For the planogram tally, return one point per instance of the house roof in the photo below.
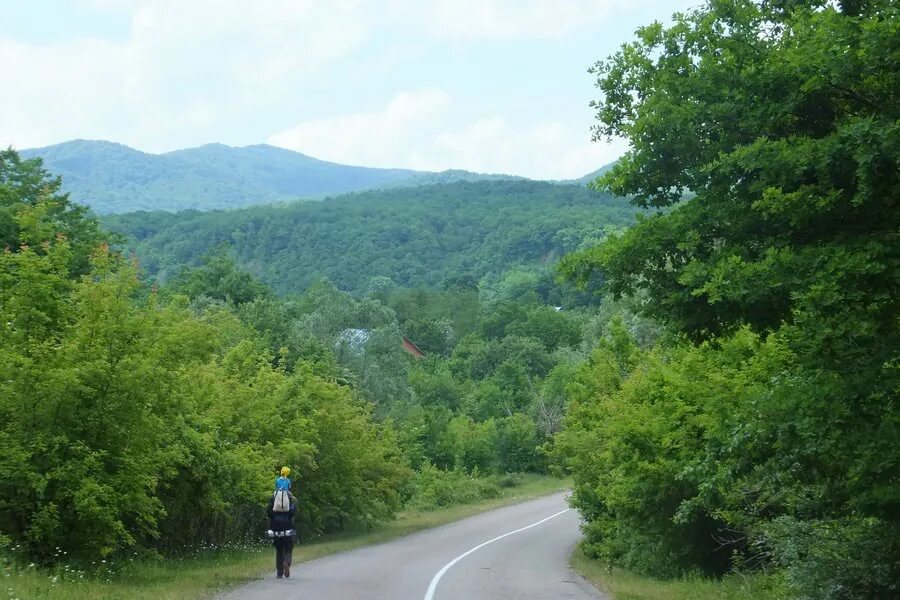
(412, 348)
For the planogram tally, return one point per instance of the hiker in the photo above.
(281, 510)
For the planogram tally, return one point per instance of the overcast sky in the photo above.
(496, 86)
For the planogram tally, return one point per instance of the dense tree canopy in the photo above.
(767, 135)
(782, 124)
(431, 236)
(33, 211)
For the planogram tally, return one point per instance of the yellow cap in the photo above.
(285, 471)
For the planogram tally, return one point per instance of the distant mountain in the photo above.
(586, 179)
(113, 178)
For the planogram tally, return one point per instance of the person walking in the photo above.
(281, 530)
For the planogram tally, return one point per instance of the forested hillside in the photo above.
(423, 236)
(113, 178)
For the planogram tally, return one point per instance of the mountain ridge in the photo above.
(113, 178)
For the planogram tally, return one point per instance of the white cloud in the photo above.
(390, 137)
(111, 5)
(517, 19)
(256, 42)
(232, 71)
(53, 93)
(185, 68)
(415, 130)
(545, 150)
(506, 19)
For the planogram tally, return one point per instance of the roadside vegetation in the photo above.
(620, 584)
(204, 571)
(760, 434)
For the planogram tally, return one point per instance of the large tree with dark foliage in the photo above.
(768, 136)
(780, 121)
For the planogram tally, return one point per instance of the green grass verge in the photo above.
(624, 585)
(203, 576)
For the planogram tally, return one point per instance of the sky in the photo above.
(493, 86)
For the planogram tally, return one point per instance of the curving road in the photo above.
(518, 552)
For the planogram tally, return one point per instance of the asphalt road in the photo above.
(519, 552)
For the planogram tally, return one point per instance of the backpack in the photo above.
(282, 501)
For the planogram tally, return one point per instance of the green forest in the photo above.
(433, 235)
(706, 341)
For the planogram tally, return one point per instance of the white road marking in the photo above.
(429, 595)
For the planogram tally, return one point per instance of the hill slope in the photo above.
(421, 236)
(113, 178)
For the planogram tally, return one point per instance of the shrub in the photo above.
(435, 488)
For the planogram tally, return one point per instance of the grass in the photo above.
(204, 575)
(624, 585)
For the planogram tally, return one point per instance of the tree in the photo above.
(33, 211)
(553, 328)
(123, 417)
(220, 279)
(781, 125)
(766, 134)
(90, 405)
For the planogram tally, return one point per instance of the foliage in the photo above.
(357, 468)
(761, 431)
(427, 236)
(782, 125)
(132, 421)
(87, 405)
(150, 419)
(218, 278)
(626, 585)
(835, 559)
(693, 457)
(126, 427)
(434, 488)
(33, 211)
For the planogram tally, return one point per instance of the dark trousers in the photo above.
(284, 550)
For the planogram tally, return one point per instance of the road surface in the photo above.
(519, 552)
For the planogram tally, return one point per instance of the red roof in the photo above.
(412, 348)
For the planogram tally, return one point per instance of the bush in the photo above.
(836, 559)
(434, 488)
(130, 425)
